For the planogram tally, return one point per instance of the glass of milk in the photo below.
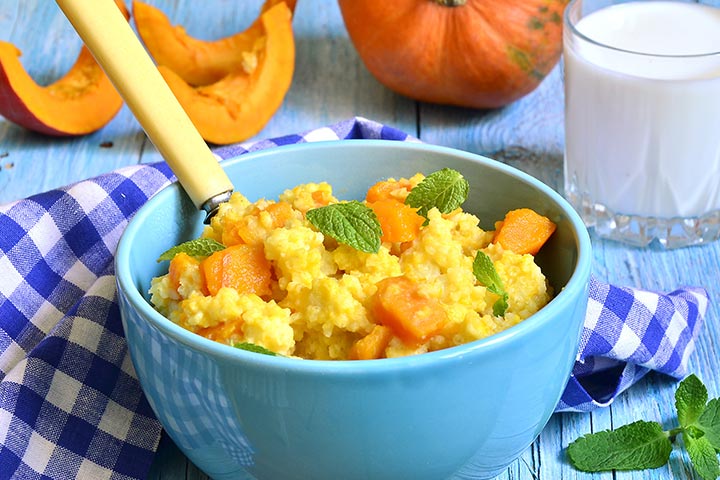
(642, 119)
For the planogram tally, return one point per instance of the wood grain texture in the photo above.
(331, 84)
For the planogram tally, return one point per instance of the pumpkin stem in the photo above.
(450, 3)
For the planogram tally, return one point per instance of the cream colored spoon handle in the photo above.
(117, 49)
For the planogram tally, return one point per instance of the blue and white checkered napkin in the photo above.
(70, 402)
(627, 333)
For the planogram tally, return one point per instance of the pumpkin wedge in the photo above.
(239, 105)
(80, 102)
(196, 61)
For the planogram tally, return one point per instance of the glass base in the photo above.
(640, 231)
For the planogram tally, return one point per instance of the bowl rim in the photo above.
(577, 283)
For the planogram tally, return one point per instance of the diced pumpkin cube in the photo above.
(523, 231)
(242, 267)
(388, 189)
(399, 222)
(373, 344)
(411, 316)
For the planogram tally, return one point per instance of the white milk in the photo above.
(642, 130)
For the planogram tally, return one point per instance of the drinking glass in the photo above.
(642, 119)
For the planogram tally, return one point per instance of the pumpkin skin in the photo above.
(469, 53)
(198, 62)
(82, 101)
(239, 105)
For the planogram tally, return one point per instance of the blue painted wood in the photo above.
(331, 84)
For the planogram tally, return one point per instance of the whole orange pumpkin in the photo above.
(471, 53)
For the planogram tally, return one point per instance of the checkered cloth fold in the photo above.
(627, 333)
(70, 402)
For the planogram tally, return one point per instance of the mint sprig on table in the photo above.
(486, 274)
(445, 190)
(199, 247)
(644, 444)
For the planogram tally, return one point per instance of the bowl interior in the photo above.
(351, 167)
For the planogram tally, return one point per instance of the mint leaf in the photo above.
(251, 347)
(445, 189)
(486, 274)
(500, 306)
(351, 223)
(709, 422)
(200, 247)
(703, 457)
(645, 445)
(635, 446)
(690, 399)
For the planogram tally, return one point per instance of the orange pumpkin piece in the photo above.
(225, 332)
(280, 212)
(178, 265)
(242, 267)
(238, 106)
(321, 198)
(399, 222)
(82, 101)
(372, 345)
(470, 53)
(384, 189)
(198, 62)
(523, 231)
(252, 229)
(411, 316)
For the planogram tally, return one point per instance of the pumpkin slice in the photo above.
(80, 102)
(198, 62)
(239, 105)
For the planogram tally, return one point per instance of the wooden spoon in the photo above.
(119, 52)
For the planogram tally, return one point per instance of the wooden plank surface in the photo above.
(330, 85)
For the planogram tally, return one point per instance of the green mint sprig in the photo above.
(352, 223)
(355, 224)
(445, 189)
(486, 274)
(644, 444)
(199, 247)
(253, 347)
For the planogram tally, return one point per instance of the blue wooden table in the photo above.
(331, 84)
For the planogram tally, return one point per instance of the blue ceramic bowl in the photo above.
(464, 412)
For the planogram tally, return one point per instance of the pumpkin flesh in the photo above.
(480, 54)
(240, 104)
(82, 101)
(196, 61)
